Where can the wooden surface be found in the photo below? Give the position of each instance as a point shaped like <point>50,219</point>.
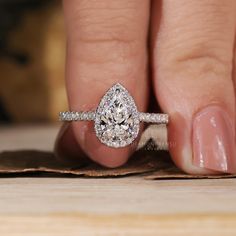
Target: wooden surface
<point>109,206</point>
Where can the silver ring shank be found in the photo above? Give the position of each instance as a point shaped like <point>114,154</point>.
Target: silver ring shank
<point>76,115</point>
<point>158,118</point>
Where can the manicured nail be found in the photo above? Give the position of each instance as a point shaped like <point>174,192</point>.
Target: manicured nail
<point>214,140</point>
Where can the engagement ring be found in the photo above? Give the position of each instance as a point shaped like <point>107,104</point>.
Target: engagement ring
<point>116,119</point>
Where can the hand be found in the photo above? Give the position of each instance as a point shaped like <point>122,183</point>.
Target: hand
<point>188,45</point>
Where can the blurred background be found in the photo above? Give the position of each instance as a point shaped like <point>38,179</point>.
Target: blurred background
<point>32,56</point>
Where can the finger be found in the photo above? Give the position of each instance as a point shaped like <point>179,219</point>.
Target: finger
<point>66,147</point>
<point>234,70</point>
<point>106,45</point>
<point>193,81</point>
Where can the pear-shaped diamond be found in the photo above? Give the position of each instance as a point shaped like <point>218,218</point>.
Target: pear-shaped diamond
<point>117,120</point>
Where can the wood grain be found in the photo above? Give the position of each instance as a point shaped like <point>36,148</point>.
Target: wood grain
<point>120,225</point>
<point>49,205</point>
<point>127,206</point>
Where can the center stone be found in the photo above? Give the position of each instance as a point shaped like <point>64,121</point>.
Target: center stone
<point>116,121</point>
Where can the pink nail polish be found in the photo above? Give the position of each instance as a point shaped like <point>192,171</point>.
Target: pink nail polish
<point>214,140</point>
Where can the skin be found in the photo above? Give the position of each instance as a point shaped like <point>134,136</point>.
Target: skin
<point>187,45</point>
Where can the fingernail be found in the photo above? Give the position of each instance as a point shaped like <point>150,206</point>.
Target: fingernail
<point>214,140</point>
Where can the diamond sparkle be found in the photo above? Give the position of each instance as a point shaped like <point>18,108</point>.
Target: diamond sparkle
<point>117,119</point>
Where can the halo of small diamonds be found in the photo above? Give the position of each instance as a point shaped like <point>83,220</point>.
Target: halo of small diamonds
<point>116,119</point>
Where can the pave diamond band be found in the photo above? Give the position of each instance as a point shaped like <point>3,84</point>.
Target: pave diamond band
<point>76,115</point>
<point>116,119</point>
<point>158,118</point>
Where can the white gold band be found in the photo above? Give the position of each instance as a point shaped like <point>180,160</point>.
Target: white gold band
<point>158,118</point>
<point>76,115</point>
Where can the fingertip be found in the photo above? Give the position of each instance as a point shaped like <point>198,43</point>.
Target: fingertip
<point>66,148</point>
<point>98,152</point>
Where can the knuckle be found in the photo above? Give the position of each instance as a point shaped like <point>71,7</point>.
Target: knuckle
<point>98,22</point>
<point>107,51</point>
<point>201,45</point>
<point>101,34</point>
<point>106,48</point>
<point>201,58</point>
<point>113,29</point>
